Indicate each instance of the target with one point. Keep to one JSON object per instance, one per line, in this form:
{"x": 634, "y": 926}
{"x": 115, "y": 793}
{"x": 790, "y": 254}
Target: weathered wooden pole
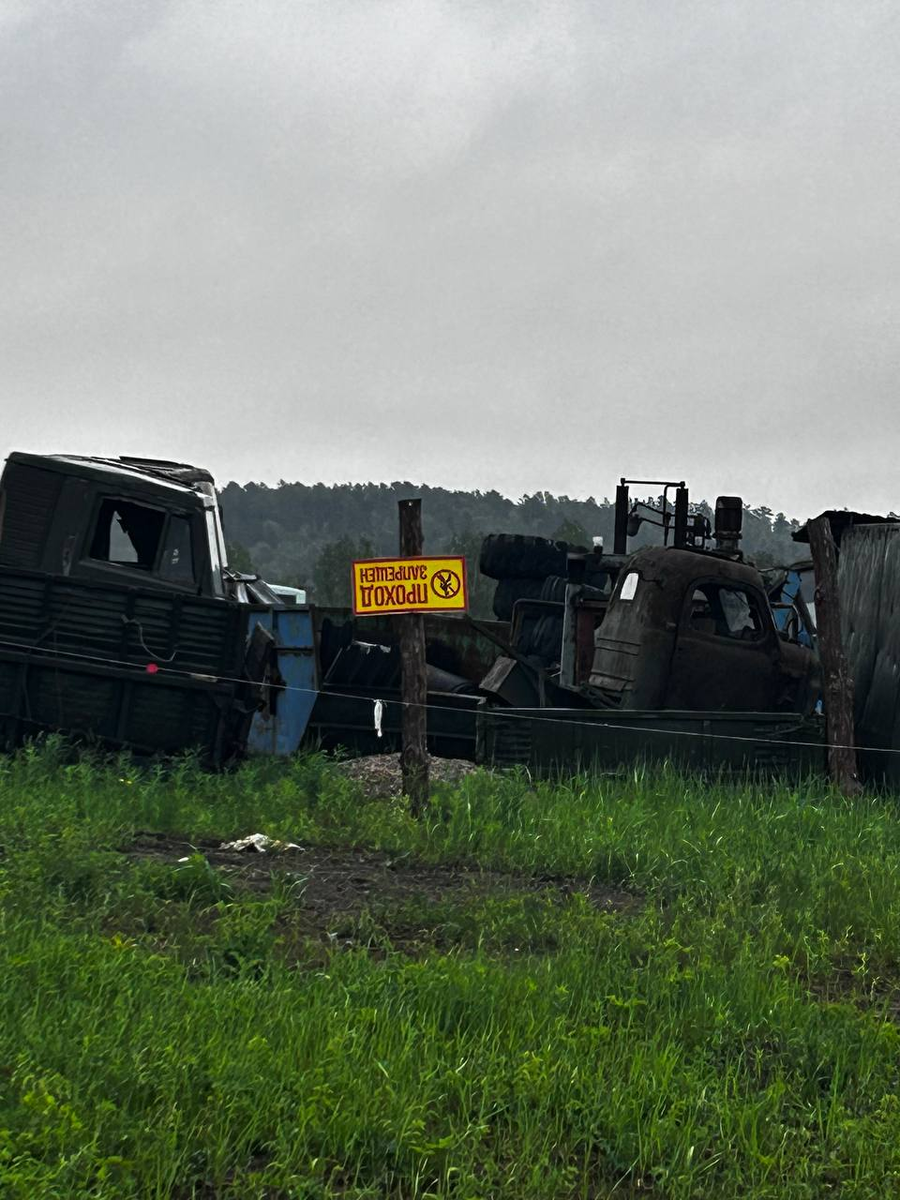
{"x": 414, "y": 683}
{"x": 837, "y": 680}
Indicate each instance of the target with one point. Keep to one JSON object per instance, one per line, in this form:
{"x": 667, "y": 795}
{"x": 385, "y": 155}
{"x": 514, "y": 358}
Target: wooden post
{"x": 414, "y": 683}
{"x": 837, "y": 680}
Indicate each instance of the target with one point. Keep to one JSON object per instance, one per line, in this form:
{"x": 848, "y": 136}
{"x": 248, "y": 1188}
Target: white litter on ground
{"x": 259, "y": 842}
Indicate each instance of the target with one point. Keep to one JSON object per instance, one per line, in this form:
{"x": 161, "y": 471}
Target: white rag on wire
{"x": 379, "y": 710}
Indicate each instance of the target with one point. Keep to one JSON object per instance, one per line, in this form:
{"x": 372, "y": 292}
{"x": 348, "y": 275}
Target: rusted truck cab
{"x": 693, "y": 630}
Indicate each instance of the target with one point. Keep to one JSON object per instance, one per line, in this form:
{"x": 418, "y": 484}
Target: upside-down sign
{"x": 403, "y": 585}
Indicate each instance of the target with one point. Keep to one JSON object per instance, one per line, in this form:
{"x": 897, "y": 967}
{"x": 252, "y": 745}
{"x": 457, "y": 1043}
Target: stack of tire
{"x": 526, "y": 568}
{"x": 534, "y": 568}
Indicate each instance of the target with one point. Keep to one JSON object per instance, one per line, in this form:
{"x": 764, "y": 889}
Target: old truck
{"x": 119, "y": 619}
{"x": 679, "y": 650}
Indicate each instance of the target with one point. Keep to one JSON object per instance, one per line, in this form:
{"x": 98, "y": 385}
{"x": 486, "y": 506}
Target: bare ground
{"x": 346, "y": 881}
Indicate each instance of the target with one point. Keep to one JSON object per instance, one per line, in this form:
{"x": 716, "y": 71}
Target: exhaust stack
{"x": 729, "y": 523}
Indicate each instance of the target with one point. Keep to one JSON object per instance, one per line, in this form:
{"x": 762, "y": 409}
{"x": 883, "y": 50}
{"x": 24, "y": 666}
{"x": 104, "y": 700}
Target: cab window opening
{"x": 127, "y": 534}
{"x": 729, "y": 612}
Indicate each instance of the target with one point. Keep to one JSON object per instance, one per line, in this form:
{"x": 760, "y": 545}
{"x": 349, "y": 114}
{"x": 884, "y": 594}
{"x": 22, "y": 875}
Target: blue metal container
{"x": 281, "y": 731}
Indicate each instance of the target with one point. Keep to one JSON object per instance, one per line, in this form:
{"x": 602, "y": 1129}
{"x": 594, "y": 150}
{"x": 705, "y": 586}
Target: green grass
{"x": 168, "y": 1032}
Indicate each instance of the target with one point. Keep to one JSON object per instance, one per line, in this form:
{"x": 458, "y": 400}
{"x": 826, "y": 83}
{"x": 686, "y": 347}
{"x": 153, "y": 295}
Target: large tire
{"x": 508, "y": 591}
{"x": 545, "y": 639}
{"x": 554, "y": 588}
{"x": 517, "y": 556}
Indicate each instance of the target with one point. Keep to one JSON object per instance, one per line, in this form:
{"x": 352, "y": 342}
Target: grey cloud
{"x": 493, "y": 244}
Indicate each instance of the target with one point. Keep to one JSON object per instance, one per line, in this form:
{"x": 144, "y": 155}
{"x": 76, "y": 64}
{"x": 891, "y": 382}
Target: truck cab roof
{"x": 179, "y": 478}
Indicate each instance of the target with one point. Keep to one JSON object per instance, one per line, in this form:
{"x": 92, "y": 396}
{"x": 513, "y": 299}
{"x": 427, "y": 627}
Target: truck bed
{"x": 126, "y": 666}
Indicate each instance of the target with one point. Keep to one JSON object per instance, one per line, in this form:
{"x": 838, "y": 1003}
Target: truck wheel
{"x": 554, "y": 588}
{"x": 508, "y": 591}
{"x": 545, "y": 642}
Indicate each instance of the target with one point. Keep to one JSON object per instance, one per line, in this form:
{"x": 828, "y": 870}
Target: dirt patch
{"x": 843, "y": 986}
{"x": 380, "y": 776}
{"x": 347, "y": 881}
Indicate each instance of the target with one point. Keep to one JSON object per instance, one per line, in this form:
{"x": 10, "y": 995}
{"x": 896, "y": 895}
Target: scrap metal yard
{"x": 121, "y": 621}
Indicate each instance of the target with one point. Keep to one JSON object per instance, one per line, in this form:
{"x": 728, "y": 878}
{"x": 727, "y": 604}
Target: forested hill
{"x": 306, "y": 534}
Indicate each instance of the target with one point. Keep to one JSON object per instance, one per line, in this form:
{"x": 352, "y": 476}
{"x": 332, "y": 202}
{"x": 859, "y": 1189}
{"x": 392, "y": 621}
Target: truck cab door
{"x": 727, "y": 651}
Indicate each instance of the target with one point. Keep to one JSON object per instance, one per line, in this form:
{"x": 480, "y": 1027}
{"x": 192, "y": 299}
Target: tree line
{"x": 306, "y": 535}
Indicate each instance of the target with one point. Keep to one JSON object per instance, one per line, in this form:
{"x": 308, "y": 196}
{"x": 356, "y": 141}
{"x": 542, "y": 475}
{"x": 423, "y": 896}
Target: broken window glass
{"x": 177, "y": 561}
{"x": 127, "y": 534}
{"x": 725, "y": 612}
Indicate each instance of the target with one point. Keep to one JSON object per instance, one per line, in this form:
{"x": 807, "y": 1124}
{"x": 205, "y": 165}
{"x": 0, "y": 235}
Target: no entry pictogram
{"x": 382, "y": 586}
{"x": 446, "y": 583}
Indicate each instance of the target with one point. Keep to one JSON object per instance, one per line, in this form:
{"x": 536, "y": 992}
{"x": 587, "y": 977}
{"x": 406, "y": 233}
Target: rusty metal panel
{"x": 869, "y": 585}
{"x": 561, "y": 740}
{"x": 118, "y": 623}
{"x": 114, "y": 706}
{"x": 172, "y": 718}
{"x": 21, "y": 618}
{"x": 74, "y": 657}
{"x": 56, "y": 698}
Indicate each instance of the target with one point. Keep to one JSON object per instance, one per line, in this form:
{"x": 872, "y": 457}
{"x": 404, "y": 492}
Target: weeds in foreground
{"x": 170, "y": 1031}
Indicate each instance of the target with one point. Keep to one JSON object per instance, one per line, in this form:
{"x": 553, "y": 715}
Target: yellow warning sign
{"x": 403, "y": 585}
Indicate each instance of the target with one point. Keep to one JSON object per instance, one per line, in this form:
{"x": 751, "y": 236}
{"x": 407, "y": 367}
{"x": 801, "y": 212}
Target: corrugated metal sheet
{"x": 120, "y": 623}
{"x": 553, "y": 740}
{"x": 74, "y": 657}
{"x": 869, "y": 584}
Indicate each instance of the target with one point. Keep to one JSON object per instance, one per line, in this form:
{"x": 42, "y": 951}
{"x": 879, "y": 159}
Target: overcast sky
{"x": 499, "y": 245}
